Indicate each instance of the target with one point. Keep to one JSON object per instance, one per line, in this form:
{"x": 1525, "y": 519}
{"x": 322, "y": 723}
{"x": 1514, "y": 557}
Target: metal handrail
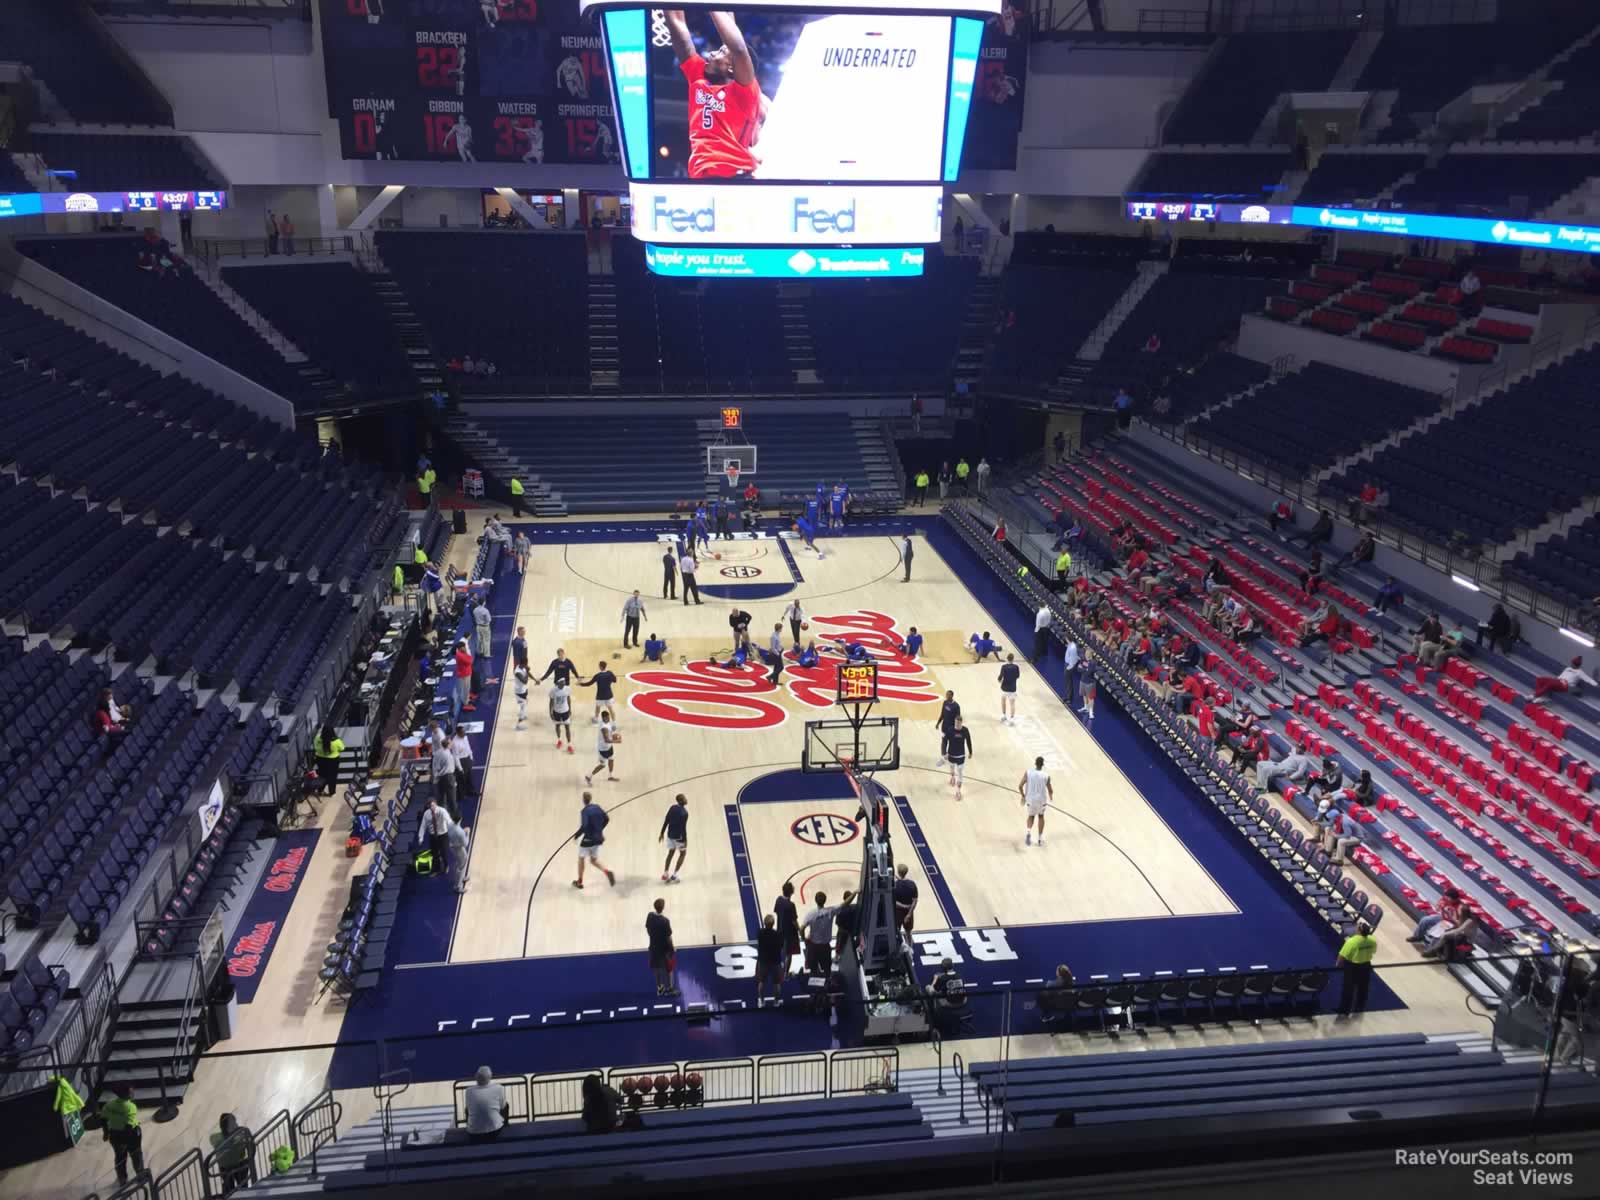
{"x": 171, "y": 1182}
{"x": 958, "y": 1067}
{"x": 313, "y": 1137}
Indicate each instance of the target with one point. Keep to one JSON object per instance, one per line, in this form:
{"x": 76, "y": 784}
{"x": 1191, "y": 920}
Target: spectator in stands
{"x": 1152, "y": 344}
{"x": 1470, "y": 287}
{"x": 1452, "y": 645}
{"x": 487, "y": 1109}
{"x": 1329, "y": 780}
{"x": 1322, "y": 625}
{"x": 1321, "y": 531}
{"x": 1060, "y": 443}
{"x": 1281, "y": 511}
{"x": 982, "y": 474}
{"x": 1293, "y": 768}
{"x": 1390, "y": 595}
{"x": 286, "y": 228}
{"x": 1362, "y": 505}
{"x": 119, "y": 1118}
{"x": 1311, "y": 575}
{"x": 327, "y": 748}
{"x": 1430, "y": 632}
{"x": 947, "y": 999}
{"x": 945, "y": 475}
{"x": 959, "y": 229}
{"x": 1063, "y": 568}
{"x": 272, "y": 232}
{"x": 1122, "y": 404}
{"x": 1355, "y": 965}
{"x": 1498, "y": 627}
{"x": 1366, "y": 546}
{"x": 1364, "y": 792}
{"x": 1380, "y": 503}
{"x": 111, "y": 730}
{"x": 1055, "y": 1000}
{"x": 1440, "y": 932}
{"x": 999, "y": 534}
{"x": 232, "y": 1148}
{"x": 916, "y": 415}
{"x": 1244, "y": 629}
{"x": 663, "y": 954}
{"x": 602, "y": 1106}
{"x": 1571, "y": 680}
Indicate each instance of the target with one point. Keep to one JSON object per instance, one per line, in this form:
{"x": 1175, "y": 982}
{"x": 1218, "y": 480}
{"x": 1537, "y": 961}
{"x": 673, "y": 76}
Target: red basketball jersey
{"x": 722, "y": 123}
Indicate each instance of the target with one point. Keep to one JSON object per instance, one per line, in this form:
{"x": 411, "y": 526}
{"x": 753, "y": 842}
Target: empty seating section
{"x": 517, "y": 300}
{"x": 1488, "y": 182}
{"x": 1312, "y": 417}
{"x": 890, "y": 335}
{"x": 1046, "y": 312}
{"x": 28, "y": 1000}
{"x": 82, "y": 820}
{"x": 1572, "y": 110}
{"x": 1567, "y": 566}
{"x": 1227, "y": 102}
{"x": 1430, "y": 65}
{"x": 602, "y": 462}
{"x": 797, "y": 450}
{"x": 1259, "y": 1082}
{"x": 330, "y": 311}
{"x": 103, "y": 162}
{"x": 684, "y": 335}
{"x": 11, "y": 177}
{"x": 1212, "y": 381}
{"x": 175, "y": 302}
{"x": 87, "y": 75}
{"x": 1502, "y": 465}
{"x": 1192, "y": 310}
{"x": 1226, "y": 176}
{"x": 673, "y": 1142}
{"x": 1340, "y": 178}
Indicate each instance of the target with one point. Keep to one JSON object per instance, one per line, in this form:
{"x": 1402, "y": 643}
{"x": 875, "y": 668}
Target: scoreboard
{"x": 468, "y": 81}
{"x": 794, "y": 123}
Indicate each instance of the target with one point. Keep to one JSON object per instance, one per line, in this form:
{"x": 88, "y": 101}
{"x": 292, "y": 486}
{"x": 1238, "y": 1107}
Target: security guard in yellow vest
{"x": 1355, "y": 964}
{"x": 327, "y": 748}
{"x": 921, "y": 484}
{"x": 516, "y": 496}
{"x": 120, "y": 1116}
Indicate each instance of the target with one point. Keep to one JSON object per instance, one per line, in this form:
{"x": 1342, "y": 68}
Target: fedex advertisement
{"x": 773, "y": 262}
{"x": 793, "y": 214}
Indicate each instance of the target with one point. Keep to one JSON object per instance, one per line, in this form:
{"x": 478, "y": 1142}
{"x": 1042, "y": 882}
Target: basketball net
{"x": 733, "y": 475}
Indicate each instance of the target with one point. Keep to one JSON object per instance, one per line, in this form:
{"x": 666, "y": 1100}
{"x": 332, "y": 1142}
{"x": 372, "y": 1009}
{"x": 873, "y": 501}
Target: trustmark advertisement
{"x": 782, "y": 262}
{"x": 801, "y": 214}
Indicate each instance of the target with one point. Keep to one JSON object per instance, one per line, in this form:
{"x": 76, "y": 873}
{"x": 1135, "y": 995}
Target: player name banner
{"x": 33, "y": 204}
{"x": 468, "y": 80}
{"x": 786, "y": 214}
{"x": 994, "y": 121}
{"x": 773, "y": 262}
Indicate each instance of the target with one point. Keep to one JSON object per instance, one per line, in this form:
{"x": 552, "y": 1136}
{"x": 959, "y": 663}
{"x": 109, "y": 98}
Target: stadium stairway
{"x": 424, "y": 367}
{"x": 490, "y": 455}
{"x": 320, "y": 388}
{"x": 1145, "y": 277}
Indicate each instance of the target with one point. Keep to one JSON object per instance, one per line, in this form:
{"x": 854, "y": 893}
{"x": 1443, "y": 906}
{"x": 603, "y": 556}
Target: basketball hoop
{"x": 732, "y": 470}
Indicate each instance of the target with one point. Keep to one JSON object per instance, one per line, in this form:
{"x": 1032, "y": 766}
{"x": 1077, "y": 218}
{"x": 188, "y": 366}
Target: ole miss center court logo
{"x": 707, "y": 696}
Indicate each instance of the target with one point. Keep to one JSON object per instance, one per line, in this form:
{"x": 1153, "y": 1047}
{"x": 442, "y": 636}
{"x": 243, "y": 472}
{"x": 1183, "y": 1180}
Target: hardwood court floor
{"x": 1109, "y": 855}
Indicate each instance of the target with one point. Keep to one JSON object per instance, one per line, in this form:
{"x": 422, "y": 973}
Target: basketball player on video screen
{"x": 726, "y": 105}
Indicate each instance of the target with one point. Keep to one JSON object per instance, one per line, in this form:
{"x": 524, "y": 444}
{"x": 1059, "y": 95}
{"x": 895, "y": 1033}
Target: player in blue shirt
{"x": 808, "y": 656}
{"x": 822, "y": 492}
{"x": 838, "y": 505}
{"x": 654, "y": 648}
{"x": 983, "y": 646}
{"x": 814, "y": 511}
{"x": 808, "y": 533}
{"x": 740, "y": 656}
{"x": 701, "y": 534}
{"x": 912, "y": 646}
{"x": 854, "y": 651}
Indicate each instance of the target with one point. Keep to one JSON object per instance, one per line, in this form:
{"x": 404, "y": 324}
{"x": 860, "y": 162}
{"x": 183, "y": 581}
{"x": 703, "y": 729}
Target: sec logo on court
{"x": 825, "y": 829}
{"x": 741, "y": 572}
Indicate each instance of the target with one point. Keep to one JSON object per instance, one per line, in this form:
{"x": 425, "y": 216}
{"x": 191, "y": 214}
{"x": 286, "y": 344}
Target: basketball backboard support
{"x": 868, "y": 745}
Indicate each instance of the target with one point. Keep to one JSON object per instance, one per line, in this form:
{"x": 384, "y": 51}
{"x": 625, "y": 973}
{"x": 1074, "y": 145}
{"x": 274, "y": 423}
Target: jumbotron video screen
{"x": 793, "y": 125}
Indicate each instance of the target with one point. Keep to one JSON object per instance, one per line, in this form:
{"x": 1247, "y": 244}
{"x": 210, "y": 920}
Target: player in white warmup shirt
{"x": 1035, "y": 790}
